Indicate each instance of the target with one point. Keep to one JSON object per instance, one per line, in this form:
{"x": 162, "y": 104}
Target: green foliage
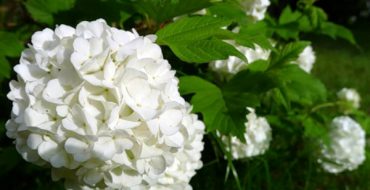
{"x": 229, "y": 10}
{"x": 217, "y": 112}
{"x": 43, "y": 10}
{"x": 308, "y": 18}
{"x": 299, "y": 86}
{"x": 163, "y": 10}
{"x": 289, "y": 53}
{"x": 334, "y": 31}
{"x": 198, "y": 39}
{"x": 257, "y": 33}
{"x": 10, "y": 46}
{"x": 205, "y": 50}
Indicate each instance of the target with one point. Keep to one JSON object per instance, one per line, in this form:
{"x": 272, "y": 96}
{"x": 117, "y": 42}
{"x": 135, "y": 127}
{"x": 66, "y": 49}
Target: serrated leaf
{"x": 208, "y": 100}
{"x": 192, "y": 29}
{"x": 164, "y": 10}
{"x": 10, "y": 45}
{"x": 43, "y": 10}
{"x": 298, "y": 86}
{"x": 289, "y": 53}
{"x": 205, "y": 51}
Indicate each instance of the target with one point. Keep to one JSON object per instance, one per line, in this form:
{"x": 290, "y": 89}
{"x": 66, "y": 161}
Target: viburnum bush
{"x": 180, "y": 94}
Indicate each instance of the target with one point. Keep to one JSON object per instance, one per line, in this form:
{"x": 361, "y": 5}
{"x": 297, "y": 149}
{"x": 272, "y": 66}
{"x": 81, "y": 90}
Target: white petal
{"x": 47, "y": 149}
{"x": 82, "y": 46}
{"x": 59, "y": 159}
{"x": 53, "y": 91}
{"x": 104, "y": 148}
{"x": 63, "y": 31}
{"x": 34, "y": 140}
{"x": 93, "y": 177}
{"x": 175, "y": 140}
{"x": 39, "y": 38}
{"x": 169, "y": 121}
{"x": 29, "y": 72}
{"x": 73, "y": 145}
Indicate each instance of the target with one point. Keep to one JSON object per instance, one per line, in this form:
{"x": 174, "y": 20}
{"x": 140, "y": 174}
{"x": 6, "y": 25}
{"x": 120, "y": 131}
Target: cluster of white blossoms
{"x": 255, "y": 8}
{"x": 101, "y": 107}
{"x": 306, "y": 59}
{"x": 351, "y": 96}
{"x": 257, "y": 136}
{"x": 346, "y": 150}
{"x": 233, "y": 64}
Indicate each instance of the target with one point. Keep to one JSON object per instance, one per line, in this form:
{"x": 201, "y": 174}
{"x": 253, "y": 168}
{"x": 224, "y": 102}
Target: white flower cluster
{"x": 257, "y": 136}
{"x": 101, "y": 106}
{"x": 346, "y": 150}
{"x": 306, "y": 59}
{"x": 234, "y": 64}
{"x": 351, "y": 96}
{"x": 255, "y": 8}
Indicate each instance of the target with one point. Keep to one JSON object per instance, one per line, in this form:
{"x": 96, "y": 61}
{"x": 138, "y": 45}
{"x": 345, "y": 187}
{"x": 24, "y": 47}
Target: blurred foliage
{"x": 286, "y": 95}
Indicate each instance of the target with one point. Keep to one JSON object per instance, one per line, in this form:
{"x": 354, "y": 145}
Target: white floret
{"x": 233, "y": 64}
{"x": 351, "y": 96}
{"x": 346, "y": 150}
{"x": 257, "y": 136}
{"x": 255, "y": 8}
{"x": 306, "y": 59}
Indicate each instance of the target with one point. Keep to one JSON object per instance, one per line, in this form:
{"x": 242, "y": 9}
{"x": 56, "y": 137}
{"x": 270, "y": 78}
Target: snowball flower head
{"x": 346, "y": 150}
{"x": 257, "y": 136}
{"x": 101, "y": 107}
{"x": 306, "y": 59}
{"x": 255, "y": 8}
{"x": 351, "y": 96}
{"x": 233, "y": 64}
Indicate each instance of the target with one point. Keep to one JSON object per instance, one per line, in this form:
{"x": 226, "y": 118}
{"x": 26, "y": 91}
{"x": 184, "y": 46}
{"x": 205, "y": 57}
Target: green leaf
{"x": 258, "y": 66}
{"x": 289, "y": 53}
{"x": 254, "y": 34}
{"x": 298, "y": 86}
{"x": 229, "y": 10}
{"x": 10, "y": 46}
{"x": 288, "y": 16}
{"x": 162, "y": 10}
{"x": 252, "y": 82}
{"x": 197, "y": 39}
{"x": 4, "y": 68}
{"x": 205, "y": 51}
{"x": 192, "y": 29}
{"x": 218, "y": 114}
{"x": 334, "y": 31}
{"x": 43, "y": 10}
{"x": 313, "y": 129}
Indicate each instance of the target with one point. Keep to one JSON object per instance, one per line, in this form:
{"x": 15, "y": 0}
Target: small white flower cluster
{"x": 257, "y": 136}
{"x": 101, "y": 106}
{"x": 346, "y": 150}
{"x": 187, "y": 160}
{"x": 351, "y": 96}
{"x": 306, "y": 59}
{"x": 233, "y": 64}
{"x": 255, "y": 8}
